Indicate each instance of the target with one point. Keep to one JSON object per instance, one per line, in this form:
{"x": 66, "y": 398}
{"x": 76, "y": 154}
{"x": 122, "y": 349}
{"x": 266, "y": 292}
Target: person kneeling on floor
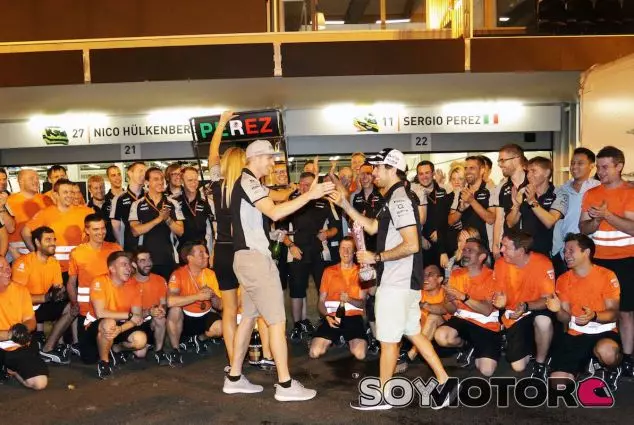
{"x": 115, "y": 317}
{"x": 340, "y": 285}
{"x": 194, "y": 301}
{"x": 18, "y": 356}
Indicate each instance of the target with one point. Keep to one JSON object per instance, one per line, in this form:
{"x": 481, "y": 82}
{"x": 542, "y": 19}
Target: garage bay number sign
{"x": 266, "y": 124}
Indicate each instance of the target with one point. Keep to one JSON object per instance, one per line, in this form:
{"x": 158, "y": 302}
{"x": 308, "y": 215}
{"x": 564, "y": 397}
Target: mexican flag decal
{"x": 491, "y": 119}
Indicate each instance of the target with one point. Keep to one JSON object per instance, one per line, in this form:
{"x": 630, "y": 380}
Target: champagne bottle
{"x": 276, "y": 250}
{"x": 341, "y": 312}
{"x": 255, "y": 347}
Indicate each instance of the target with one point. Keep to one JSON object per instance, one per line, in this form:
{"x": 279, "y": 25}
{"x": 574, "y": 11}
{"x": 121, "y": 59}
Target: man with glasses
{"x": 511, "y": 161}
{"x": 174, "y": 179}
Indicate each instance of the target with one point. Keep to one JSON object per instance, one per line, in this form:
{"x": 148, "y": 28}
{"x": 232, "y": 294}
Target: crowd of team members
{"x": 508, "y": 267}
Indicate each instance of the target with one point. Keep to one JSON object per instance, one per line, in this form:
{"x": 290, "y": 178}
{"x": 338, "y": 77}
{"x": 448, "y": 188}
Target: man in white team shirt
{"x": 251, "y": 209}
{"x": 399, "y": 262}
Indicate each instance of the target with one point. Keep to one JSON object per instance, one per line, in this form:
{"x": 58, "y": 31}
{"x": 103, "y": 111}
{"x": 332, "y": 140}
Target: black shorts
{"x": 88, "y": 342}
{"x": 352, "y": 327}
{"x": 369, "y": 308}
{"x": 193, "y": 326}
{"x": 300, "y": 272}
{"x": 50, "y": 311}
{"x": 24, "y": 361}
{"x": 573, "y": 353}
{"x": 622, "y": 268}
{"x": 520, "y": 339}
{"x": 486, "y": 343}
{"x": 149, "y": 332}
{"x": 223, "y": 266}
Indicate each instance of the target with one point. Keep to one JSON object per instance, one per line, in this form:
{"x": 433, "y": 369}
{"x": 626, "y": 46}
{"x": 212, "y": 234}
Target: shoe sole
{"x": 294, "y": 398}
{"x": 369, "y": 409}
{"x": 241, "y": 391}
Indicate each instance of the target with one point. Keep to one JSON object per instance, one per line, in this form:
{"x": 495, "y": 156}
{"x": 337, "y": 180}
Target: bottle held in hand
{"x": 341, "y": 313}
{"x": 366, "y": 272}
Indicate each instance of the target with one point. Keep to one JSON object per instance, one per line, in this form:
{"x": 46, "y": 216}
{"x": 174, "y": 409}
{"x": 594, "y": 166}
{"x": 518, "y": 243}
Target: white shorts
{"x": 397, "y": 313}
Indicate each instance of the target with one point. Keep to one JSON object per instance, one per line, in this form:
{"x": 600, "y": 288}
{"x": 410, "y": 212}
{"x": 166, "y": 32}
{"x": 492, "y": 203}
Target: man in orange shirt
{"x": 115, "y": 317}
{"x": 23, "y": 206}
{"x": 524, "y": 279}
{"x": 154, "y": 303}
{"x": 474, "y": 327}
{"x": 587, "y": 300}
{"x": 53, "y": 174}
{"x": 340, "y": 285}
{"x": 194, "y": 301}
{"x": 65, "y": 219}
{"x": 607, "y": 216}
{"x": 87, "y": 261}
{"x": 18, "y": 356}
{"x": 41, "y": 274}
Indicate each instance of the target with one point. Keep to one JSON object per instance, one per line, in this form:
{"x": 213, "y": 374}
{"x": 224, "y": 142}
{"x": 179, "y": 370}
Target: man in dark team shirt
{"x": 116, "y": 182}
{"x": 368, "y": 200}
{"x": 512, "y": 162}
{"x": 473, "y": 202}
{"x": 157, "y": 220}
{"x": 435, "y": 227}
{"x": 195, "y": 209}
{"x": 100, "y": 204}
{"x": 539, "y": 208}
{"x": 307, "y": 250}
{"x": 121, "y": 205}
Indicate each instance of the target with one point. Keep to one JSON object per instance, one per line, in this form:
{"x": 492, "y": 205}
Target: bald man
{"x": 23, "y": 206}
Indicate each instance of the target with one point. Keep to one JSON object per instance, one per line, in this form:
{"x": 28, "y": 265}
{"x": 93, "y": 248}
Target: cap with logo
{"x": 259, "y": 147}
{"x": 389, "y": 156}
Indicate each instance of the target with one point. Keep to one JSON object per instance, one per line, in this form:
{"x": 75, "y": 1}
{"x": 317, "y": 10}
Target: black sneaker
{"x": 374, "y": 346}
{"x": 267, "y": 364}
{"x": 57, "y": 355}
{"x": 104, "y": 370}
{"x": 162, "y": 359}
{"x": 307, "y": 326}
{"x": 594, "y": 368}
{"x": 627, "y": 367}
{"x": 4, "y": 376}
{"x": 296, "y": 333}
{"x": 118, "y": 359}
{"x": 216, "y": 341}
{"x": 611, "y": 377}
{"x": 465, "y": 356}
{"x": 188, "y": 345}
{"x": 200, "y": 345}
{"x": 74, "y": 349}
{"x": 383, "y": 405}
{"x": 340, "y": 342}
{"x": 176, "y": 358}
{"x": 540, "y": 370}
{"x": 39, "y": 338}
{"x": 402, "y": 364}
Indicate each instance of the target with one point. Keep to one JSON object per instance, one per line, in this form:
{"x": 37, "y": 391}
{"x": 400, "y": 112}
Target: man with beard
{"x": 154, "y": 303}
{"x": 475, "y": 326}
{"x": 473, "y": 207}
{"x": 41, "y": 274}
{"x": 511, "y": 161}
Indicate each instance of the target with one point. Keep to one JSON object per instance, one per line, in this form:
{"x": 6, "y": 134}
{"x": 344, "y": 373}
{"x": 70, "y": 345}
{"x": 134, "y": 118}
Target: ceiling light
{"x": 335, "y": 22}
{"x": 504, "y": 19}
{"x": 395, "y": 21}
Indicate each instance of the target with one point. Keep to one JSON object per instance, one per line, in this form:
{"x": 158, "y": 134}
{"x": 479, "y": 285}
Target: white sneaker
{"x": 242, "y": 386}
{"x": 296, "y": 392}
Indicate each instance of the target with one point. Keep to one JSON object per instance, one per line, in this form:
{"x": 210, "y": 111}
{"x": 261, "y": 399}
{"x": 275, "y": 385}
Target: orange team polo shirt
{"x": 116, "y": 298}
{"x": 36, "y": 276}
{"x": 68, "y": 227}
{"x": 24, "y": 209}
{"x": 590, "y": 291}
{"x": 15, "y": 307}
{"x": 183, "y": 282}
{"x": 610, "y": 242}
{"x": 337, "y": 280}
{"x": 529, "y": 283}
{"x": 426, "y": 297}
{"x": 87, "y": 263}
{"x": 152, "y": 291}
{"x": 479, "y": 288}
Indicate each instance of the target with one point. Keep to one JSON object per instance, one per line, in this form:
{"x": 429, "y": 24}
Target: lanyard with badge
{"x": 203, "y": 304}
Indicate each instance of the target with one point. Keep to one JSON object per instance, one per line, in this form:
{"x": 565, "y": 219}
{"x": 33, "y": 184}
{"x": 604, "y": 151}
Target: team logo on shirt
{"x": 615, "y": 282}
{"x": 551, "y": 274}
{"x": 21, "y": 267}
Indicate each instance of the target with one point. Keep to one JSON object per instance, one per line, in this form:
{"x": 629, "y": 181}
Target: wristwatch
{"x": 466, "y": 298}
{"x": 534, "y": 204}
{"x": 130, "y": 315}
{"x": 377, "y": 257}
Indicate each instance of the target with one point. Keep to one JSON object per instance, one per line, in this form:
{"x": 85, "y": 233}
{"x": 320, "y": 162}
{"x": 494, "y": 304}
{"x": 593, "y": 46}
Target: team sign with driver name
{"x": 266, "y": 124}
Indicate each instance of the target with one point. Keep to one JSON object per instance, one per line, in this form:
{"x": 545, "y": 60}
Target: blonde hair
{"x": 231, "y": 164}
{"x": 471, "y": 232}
{"x": 95, "y": 179}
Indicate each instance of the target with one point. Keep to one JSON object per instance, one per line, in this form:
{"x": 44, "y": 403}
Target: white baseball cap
{"x": 259, "y": 147}
{"x": 389, "y": 156}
